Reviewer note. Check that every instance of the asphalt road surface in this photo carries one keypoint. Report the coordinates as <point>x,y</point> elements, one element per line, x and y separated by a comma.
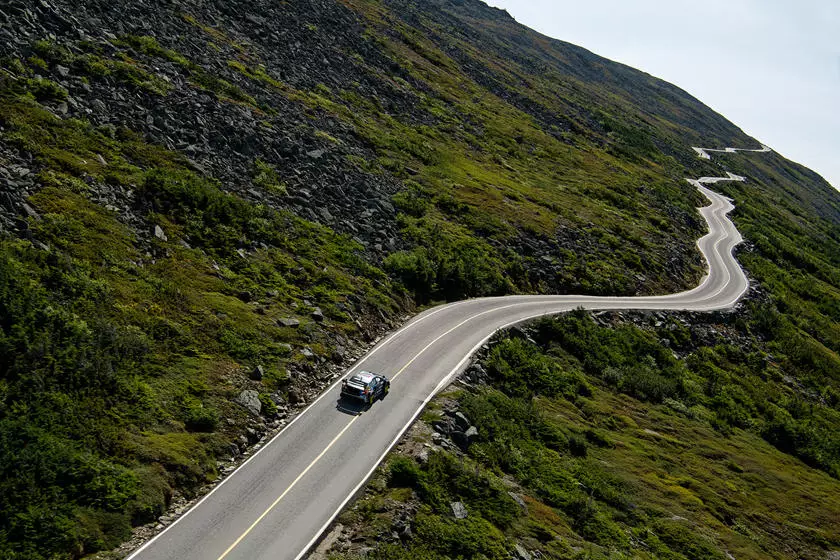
<point>277,504</point>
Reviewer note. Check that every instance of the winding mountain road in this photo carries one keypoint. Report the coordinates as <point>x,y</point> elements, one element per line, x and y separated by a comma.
<point>277,504</point>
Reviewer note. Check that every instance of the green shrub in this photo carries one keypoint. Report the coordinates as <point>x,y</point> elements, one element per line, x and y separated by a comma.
<point>53,52</point>
<point>412,200</point>
<point>266,177</point>
<point>403,472</point>
<point>415,270</point>
<point>520,369</point>
<point>447,261</point>
<point>269,407</point>
<point>472,537</point>
<point>201,419</point>
<point>45,90</point>
<point>680,538</point>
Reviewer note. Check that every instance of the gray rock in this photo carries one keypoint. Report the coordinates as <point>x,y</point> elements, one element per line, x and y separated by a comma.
<point>307,352</point>
<point>460,439</point>
<point>63,71</point>
<point>159,233</point>
<point>290,322</point>
<point>258,373</point>
<point>459,510</point>
<point>31,212</point>
<point>318,315</point>
<point>250,399</point>
<point>461,421</point>
<point>472,434</point>
<point>245,296</point>
<point>442,426</point>
<point>315,154</point>
<point>518,499</point>
<point>519,553</point>
<point>325,214</point>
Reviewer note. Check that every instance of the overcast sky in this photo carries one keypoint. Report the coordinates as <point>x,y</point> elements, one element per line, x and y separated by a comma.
<point>770,66</point>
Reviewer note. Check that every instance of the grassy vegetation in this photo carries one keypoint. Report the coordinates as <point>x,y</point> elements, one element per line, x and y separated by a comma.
<point>526,166</point>
<point>481,173</point>
<point>92,63</point>
<point>621,450</point>
<point>199,76</point>
<point>121,351</point>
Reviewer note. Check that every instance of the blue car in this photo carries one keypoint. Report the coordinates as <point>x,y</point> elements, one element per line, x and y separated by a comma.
<point>365,386</point>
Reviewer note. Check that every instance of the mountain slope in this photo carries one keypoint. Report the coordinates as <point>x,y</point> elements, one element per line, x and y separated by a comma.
<point>213,203</point>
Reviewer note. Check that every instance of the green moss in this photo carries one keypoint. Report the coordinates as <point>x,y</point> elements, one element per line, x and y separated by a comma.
<point>119,348</point>
<point>620,475</point>
<point>38,62</point>
<point>198,75</point>
<point>43,89</point>
<point>135,349</point>
<point>266,177</point>
<point>125,70</point>
<point>51,51</point>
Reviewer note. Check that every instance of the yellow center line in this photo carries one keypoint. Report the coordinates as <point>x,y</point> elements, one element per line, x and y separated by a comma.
<point>341,433</point>
<point>401,370</point>
<point>462,323</point>
<point>287,490</point>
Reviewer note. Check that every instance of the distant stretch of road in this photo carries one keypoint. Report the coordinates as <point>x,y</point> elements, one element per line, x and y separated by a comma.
<point>277,504</point>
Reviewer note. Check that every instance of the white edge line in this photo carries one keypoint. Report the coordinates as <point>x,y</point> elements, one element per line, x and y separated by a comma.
<point>445,381</point>
<point>448,379</point>
<point>440,386</point>
<point>379,345</point>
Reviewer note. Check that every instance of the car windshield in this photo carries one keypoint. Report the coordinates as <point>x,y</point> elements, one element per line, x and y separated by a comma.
<point>358,379</point>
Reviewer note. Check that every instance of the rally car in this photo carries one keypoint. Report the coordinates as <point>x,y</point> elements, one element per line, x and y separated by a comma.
<point>365,386</point>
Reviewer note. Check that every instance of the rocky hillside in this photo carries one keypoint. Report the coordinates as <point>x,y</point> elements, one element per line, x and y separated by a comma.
<point>207,209</point>
<point>613,435</point>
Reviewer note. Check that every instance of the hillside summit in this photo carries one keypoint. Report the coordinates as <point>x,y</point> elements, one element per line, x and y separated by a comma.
<point>208,209</point>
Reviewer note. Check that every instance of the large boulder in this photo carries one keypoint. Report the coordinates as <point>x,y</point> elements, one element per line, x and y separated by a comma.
<point>520,553</point>
<point>250,399</point>
<point>290,322</point>
<point>460,439</point>
<point>461,422</point>
<point>459,510</point>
